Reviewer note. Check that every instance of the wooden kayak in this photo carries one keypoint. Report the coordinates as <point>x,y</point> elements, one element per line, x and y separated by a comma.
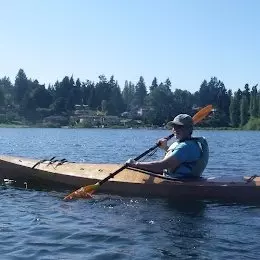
<point>62,173</point>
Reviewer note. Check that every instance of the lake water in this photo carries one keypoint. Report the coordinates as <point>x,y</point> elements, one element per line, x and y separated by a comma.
<point>37,224</point>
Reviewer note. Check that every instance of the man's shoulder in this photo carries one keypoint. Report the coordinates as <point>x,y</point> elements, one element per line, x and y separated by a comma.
<point>173,145</point>
<point>190,145</point>
<point>185,145</point>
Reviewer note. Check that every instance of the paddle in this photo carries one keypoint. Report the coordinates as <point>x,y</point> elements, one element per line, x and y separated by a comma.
<point>86,191</point>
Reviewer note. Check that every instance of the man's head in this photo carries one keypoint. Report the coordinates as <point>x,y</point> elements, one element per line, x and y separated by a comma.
<point>182,126</point>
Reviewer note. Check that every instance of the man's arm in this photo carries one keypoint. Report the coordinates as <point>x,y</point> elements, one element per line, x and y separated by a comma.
<point>158,166</point>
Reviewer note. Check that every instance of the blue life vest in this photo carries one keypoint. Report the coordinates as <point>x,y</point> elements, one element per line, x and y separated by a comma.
<point>197,167</point>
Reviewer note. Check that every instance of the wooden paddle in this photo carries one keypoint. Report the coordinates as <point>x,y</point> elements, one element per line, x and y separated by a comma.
<point>86,191</point>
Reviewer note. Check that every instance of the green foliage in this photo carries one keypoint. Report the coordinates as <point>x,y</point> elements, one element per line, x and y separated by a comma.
<point>128,94</point>
<point>140,93</point>
<point>20,86</point>
<point>115,102</point>
<point>234,110</point>
<point>218,119</point>
<point>2,98</point>
<point>254,102</point>
<point>6,92</point>
<point>253,124</point>
<point>215,93</point>
<point>88,94</point>
<point>246,93</point>
<point>244,115</point>
<point>44,112</point>
<point>32,102</point>
<point>59,105</point>
<point>154,84</point>
<point>182,102</point>
<point>161,103</point>
<point>42,96</point>
<point>56,121</point>
<point>258,105</point>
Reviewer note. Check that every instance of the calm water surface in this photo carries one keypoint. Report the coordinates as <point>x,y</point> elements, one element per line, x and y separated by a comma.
<point>40,225</point>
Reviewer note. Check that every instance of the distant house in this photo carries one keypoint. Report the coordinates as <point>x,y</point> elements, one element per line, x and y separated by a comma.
<point>84,115</point>
<point>99,120</point>
<point>82,110</point>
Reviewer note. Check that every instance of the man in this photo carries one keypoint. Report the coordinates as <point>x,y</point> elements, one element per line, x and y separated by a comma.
<point>187,157</point>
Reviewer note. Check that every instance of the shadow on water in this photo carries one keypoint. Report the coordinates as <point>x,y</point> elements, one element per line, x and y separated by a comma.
<point>192,230</point>
<point>189,207</point>
<point>188,231</point>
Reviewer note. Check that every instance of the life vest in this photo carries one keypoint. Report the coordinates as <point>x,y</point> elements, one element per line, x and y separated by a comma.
<point>197,167</point>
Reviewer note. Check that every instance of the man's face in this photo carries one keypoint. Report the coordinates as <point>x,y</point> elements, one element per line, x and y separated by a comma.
<point>180,132</point>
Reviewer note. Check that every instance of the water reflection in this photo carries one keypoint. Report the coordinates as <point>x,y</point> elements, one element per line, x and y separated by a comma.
<point>186,229</point>
<point>188,206</point>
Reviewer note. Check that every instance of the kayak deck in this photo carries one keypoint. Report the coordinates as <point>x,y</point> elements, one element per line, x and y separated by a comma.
<point>128,182</point>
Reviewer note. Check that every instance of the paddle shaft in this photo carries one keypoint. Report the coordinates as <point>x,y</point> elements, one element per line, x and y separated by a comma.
<point>136,159</point>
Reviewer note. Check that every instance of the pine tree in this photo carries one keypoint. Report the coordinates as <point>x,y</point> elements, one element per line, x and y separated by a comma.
<point>20,86</point>
<point>140,93</point>
<point>254,102</point>
<point>154,84</point>
<point>244,107</point>
<point>234,110</point>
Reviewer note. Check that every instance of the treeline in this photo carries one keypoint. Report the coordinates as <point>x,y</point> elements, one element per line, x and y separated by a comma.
<point>28,101</point>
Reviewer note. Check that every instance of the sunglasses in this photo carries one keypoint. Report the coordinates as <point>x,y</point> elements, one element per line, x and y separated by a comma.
<point>178,126</point>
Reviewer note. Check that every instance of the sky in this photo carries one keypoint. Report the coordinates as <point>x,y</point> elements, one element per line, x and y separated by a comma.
<point>187,41</point>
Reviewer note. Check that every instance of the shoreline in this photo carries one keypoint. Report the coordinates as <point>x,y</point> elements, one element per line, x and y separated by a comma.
<point>121,127</point>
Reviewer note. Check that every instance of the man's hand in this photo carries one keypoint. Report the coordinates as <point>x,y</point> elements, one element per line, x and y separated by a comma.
<point>130,162</point>
<point>163,144</point>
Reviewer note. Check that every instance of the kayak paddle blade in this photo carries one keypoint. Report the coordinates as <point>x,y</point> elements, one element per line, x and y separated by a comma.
<point>202,114</point>
<point>83,192</point>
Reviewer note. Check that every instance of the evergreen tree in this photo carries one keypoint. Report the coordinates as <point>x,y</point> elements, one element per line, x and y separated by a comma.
<point>89,95</point>
<point>168,84</point>
<point>2,98</point>
<point>154,84</point>
<point>102,90</point>
<point>140,93</point>
<point>244,108</point>
<point>116,104</point>
<point>77,93</point>
<point>234,110</point>
<point>20,86</point>
<point>215,93</point>
<point>128,94</point>
<point>41,96</point>
<point>7,89</point>
<point>204,94</point>
<point>59,106</point>
<point>254,102</point>
<point>258,104</point>
<point>183,102</point>
<point>161,105</point>
<point>246,93</point>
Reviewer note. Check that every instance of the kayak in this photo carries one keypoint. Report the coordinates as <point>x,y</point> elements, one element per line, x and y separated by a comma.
<point>60,173</point>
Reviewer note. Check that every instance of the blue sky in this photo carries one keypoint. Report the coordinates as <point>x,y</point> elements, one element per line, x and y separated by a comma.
<point>186,40</point>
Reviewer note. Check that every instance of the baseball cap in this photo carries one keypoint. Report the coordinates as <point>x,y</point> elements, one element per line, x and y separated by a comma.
<point>182,119</point>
